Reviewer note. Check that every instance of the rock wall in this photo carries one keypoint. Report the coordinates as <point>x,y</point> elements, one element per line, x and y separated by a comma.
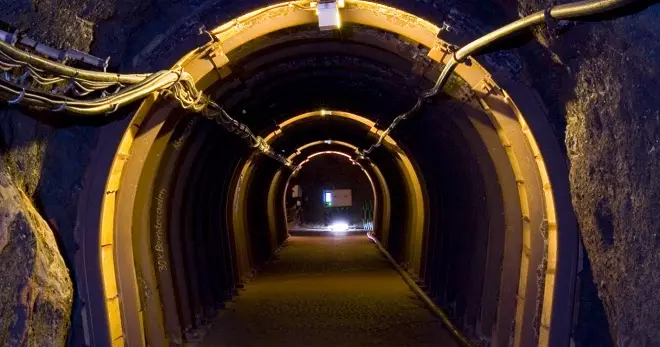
<point>604,82</point>
<point>36,291</point>
<point>46,156</point>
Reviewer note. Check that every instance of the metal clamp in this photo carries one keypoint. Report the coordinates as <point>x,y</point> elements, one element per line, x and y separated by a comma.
<point>114,109</point>
<point>18,99</point>
<point>61,107</point>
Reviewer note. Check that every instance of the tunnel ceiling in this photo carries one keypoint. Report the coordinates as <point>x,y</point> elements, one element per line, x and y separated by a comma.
<point>304,69</point>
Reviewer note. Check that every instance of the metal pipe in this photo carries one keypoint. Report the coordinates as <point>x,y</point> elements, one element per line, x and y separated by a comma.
<point>26,41</point>
<point>140,86</point>
<point>61,69</point>
<point>566,11</point>
<point>87,58</point>
<point>97,106</point>
<point>8,37</point>
<point>50,52</point>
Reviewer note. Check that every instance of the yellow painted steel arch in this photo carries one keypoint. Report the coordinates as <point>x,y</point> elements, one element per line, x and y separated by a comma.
<point>207,66</point>
<point>382,206</point>
<point>299,150</point>
<point>375,185</point>
<point>415,221</point>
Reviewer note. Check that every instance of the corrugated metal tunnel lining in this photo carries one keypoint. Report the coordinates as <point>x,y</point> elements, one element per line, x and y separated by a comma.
<point>484,224</point>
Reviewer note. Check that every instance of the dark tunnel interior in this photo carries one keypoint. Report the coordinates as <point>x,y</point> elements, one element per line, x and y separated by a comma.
<point>210,195</point>
<point>322,175</point>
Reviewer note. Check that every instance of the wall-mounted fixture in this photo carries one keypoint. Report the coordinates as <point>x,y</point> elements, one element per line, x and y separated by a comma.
<point>328,12</point>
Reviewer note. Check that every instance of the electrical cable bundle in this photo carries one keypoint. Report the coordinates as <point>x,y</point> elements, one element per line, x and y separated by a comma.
<point>34,81</point>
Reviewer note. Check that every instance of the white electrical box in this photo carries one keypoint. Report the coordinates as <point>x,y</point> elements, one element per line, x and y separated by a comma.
<point>337,198</point>
<point>328,12</point>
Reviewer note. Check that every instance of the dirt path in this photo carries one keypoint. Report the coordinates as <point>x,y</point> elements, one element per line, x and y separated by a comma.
<point>328,291</point>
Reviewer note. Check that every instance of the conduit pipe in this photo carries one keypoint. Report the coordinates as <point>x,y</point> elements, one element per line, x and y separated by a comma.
<point>89,107</point>
<point>68,71</point>
<point>567,11</point>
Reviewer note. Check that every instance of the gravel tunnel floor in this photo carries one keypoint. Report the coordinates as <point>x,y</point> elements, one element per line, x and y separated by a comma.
<point>327,291</point>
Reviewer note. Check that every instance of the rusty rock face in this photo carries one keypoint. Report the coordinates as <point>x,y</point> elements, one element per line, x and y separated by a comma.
<point>602,86</point>
<point>36,291</point>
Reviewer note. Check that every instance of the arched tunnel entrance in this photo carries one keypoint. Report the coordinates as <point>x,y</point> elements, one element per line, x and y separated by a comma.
<point>330,190</point>
<point>471,194</point>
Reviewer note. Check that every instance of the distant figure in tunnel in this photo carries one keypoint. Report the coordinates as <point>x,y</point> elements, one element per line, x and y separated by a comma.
<point>297,195</point>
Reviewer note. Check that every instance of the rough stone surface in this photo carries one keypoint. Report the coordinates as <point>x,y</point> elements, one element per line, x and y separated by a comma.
<point>604,83</point>
<point>47,155</point>
<point>36,290</point>
<point>61,23</point>
<point>613,138</point>
<point>22,148</point>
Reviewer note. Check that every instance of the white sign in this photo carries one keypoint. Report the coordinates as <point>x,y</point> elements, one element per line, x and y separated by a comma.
<point>337,198</point>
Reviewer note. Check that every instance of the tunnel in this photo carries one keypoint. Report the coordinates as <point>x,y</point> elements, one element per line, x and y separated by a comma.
<point>471,195</point>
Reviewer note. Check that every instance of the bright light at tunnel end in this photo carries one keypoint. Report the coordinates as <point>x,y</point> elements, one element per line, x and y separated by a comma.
<point>338,227</point>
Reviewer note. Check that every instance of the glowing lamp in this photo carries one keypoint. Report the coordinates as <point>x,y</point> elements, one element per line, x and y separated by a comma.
<point>339,227</point>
